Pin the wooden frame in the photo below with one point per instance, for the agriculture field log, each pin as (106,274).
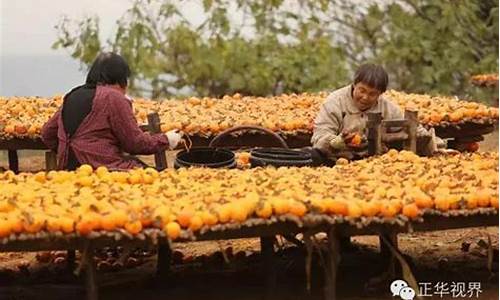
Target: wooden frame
(334,226)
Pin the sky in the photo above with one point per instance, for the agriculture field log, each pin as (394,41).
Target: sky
(27,26)
(28,65)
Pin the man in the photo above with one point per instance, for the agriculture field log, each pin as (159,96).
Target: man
(96,124)
(340,127)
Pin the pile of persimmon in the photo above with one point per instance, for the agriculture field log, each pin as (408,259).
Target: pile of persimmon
(441,110)
(485,80)
(24,117)
(287,114)
(395,185)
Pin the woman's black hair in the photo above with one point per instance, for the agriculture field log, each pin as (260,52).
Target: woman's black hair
(372,75)
(108,68)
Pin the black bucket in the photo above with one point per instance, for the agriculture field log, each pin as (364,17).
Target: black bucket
(205,157)
(279,157)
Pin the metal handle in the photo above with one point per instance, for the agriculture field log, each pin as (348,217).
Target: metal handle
(220,136)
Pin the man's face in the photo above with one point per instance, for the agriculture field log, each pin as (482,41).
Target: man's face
(365,96)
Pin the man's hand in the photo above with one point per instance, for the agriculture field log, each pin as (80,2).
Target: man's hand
(354,141)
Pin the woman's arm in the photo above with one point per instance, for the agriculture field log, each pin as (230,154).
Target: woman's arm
(49,132)
(124,126)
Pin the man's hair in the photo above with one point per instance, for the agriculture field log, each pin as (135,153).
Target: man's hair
(372,75)
(109,68)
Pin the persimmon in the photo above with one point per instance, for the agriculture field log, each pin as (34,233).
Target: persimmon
(4,228)
(195,223)
(483,197)
(280,206)
(338,207)
(442,204)
(119,218)
(494,201)
(298,209)
(388,209)
(52,224)
(238,213)
(15,223)
(472,147)
(173,230)
(411,211)
(356,140)
(370,208)
(34,223)
(66,224)
(33,129)
(354,210)
(85,181)
(209,218)
(133,227)
(422,200)
(10,129)
(184,217)
(134,178)
(20,129)
(108,222)
(264,210)
(85,169)
(224,213)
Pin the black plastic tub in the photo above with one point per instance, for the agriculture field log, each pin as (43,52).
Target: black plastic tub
(205,157)
(279,157)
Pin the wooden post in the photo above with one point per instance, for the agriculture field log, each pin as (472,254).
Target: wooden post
(13,161)
(164,251)
(50,160)
(51,164)
(412,118)
(332,264)
(154,127)
(70,260)
(374,125)
(90,273)
(386,253)
(267,252)
(164,261)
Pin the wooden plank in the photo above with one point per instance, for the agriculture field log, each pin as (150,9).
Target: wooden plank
(429,223)
(22,144)
(299,140)
(394,123)
(463,130)
(412,118)
(374,125)
(154,127)
(394,137)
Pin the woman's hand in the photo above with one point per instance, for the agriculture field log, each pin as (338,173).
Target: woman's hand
(174,137)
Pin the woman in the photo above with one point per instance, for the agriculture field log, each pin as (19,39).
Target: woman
(344,115)
(96,124)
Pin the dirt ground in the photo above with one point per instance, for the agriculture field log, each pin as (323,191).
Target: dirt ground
(233,269)
(201,271)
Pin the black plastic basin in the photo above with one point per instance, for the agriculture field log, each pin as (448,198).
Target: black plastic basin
(205,157)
